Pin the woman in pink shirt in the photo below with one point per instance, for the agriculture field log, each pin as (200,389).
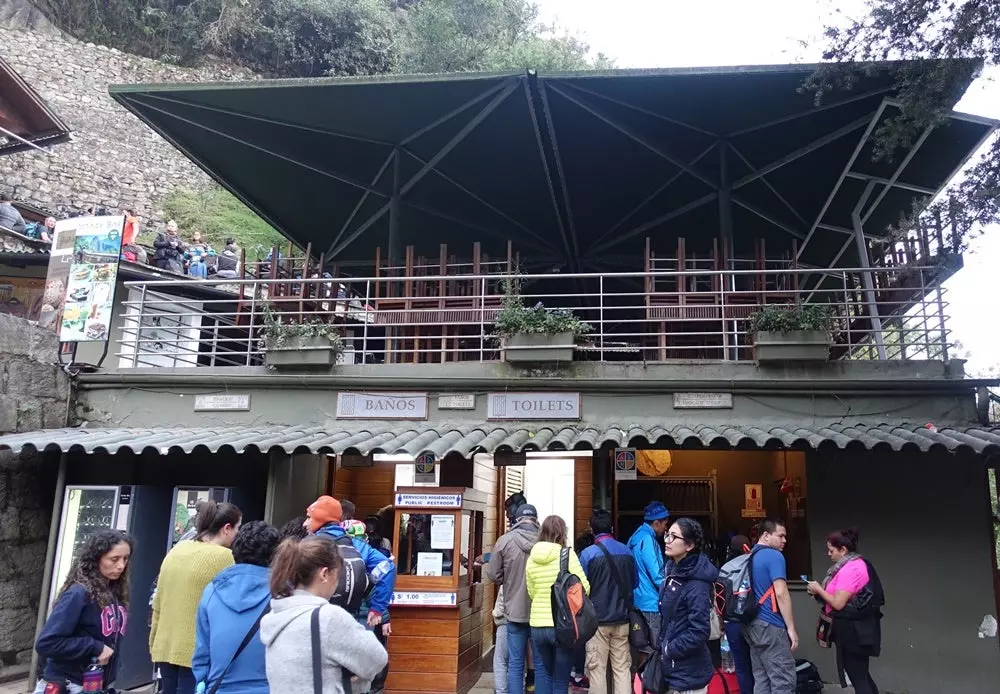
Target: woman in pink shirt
(852,593)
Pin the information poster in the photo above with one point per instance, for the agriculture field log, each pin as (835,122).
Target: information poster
(442,532)
(430,563)
(92,276)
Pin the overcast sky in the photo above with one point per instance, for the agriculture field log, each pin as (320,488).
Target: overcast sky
(665,33)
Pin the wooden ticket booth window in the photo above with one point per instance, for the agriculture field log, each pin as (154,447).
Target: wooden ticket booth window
(437,621)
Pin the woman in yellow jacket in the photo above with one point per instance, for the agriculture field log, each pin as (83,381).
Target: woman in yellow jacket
(552,662)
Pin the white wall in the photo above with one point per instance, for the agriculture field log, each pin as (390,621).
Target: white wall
(548,486)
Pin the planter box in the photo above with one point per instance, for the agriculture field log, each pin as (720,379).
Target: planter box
(796,345)
(538,347)
(302,353)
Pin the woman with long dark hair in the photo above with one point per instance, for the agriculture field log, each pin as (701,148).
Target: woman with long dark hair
(685,609)
(851,594)
(304,576)
(89,615)
(185,572)
(553,662)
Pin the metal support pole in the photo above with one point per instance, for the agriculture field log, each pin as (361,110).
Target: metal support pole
(48,568)
(394,210)
(866,275)
(727,281)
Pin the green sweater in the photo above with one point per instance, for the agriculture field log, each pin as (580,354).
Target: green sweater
(186,570)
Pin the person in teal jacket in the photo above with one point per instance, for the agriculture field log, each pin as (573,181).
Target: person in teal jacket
(646,545)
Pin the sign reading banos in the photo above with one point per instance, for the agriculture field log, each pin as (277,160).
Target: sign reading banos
(382,405)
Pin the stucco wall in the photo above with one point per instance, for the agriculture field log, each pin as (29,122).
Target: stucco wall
(33,394)
(113,161)
(924,524)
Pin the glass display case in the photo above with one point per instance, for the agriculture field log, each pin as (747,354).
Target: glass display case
(85,510)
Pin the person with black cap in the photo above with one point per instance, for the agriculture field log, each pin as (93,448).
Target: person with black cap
(646,545)
(506,569)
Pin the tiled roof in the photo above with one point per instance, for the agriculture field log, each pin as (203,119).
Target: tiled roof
(467,438)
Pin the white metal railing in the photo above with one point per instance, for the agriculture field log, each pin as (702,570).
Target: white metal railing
(635,316)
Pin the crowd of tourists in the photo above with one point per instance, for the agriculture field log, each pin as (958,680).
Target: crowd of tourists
(252,609)
(658,611)
(236,608)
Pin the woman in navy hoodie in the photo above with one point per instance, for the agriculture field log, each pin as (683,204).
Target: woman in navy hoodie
(685,602)
(89,615)
(231,608)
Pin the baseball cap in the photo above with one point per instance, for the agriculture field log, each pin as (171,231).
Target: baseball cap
(526,511)
(656,511)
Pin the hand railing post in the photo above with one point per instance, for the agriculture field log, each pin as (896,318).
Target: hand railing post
(600,319)
(364,315)
(253,320)
(138,329)
(482,319)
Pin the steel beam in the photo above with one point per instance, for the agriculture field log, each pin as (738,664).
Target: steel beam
(769,219)
(813,111)
(640,109)
(361,201)
(610,232)
(554,144)
(897,184)
(763,179)
(395,210)
(801,152)
(653,223)
(897,173)
(866,276)
(725,195)
(849,232)
(843,174)
(451,114)
(536,126)
(470,224)
(635,137)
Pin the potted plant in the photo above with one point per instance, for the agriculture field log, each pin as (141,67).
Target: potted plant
(536,333)
(791,333)
(306,344)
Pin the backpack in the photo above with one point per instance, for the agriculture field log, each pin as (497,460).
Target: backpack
(33,230)
(807,679)
(573,614)
(354,583)
(734,596)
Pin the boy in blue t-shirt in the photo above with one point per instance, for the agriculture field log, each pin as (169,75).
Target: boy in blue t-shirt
(772,636)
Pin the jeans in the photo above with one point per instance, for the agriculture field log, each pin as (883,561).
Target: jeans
(552,662)
(198,270)
(610,642)
(517,643)
(771,658)
(856,667)
(741,656)
(500,658)
(175,679)
(70,688)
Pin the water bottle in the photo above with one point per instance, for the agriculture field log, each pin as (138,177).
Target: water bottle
(93,677)
(200,689)
(728,664)
(744,592)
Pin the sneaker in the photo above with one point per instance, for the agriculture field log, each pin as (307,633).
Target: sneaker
(579,682)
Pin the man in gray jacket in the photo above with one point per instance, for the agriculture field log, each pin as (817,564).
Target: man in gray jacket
(10,218)
(506,569)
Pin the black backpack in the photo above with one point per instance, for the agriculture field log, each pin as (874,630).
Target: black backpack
(734,597)
(355,583)
(807,679)
(573,614)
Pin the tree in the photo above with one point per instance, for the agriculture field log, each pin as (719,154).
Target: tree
(967,32)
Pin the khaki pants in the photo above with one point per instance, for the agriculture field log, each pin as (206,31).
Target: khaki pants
(610,642)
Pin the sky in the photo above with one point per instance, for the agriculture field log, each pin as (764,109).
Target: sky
(669,33)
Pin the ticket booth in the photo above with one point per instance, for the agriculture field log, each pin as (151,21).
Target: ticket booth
(437,621)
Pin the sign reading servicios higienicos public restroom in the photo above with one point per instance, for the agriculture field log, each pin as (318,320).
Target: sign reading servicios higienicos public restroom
(381,405)
(533,406)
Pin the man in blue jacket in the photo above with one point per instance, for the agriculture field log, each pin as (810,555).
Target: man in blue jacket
(610,568)
(230,608)
(646,545)
(324,517)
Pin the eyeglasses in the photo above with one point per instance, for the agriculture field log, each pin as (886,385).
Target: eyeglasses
(671,537)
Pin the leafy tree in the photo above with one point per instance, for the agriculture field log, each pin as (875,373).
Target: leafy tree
(967,31)
(217,214)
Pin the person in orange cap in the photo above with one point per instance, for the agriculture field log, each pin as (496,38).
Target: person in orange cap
(323,517)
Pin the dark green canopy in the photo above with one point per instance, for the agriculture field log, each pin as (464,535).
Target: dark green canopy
(576,169)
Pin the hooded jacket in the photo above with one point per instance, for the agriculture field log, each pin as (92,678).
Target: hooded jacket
(229,607)
(612,579)
(381,569)
(541,573)
(77,631)
(506,568)
(685,602)
(648,553)
(287,637)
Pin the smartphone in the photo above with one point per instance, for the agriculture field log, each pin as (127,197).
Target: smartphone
(804,578)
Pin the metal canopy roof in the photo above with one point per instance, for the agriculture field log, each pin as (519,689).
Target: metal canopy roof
(24,115)
(465,439)
(575,168)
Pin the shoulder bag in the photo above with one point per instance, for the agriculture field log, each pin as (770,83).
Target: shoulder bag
(243,644)
(638,628)
(317,658)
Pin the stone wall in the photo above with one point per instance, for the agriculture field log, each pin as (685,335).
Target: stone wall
(114,161)
(33,393)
